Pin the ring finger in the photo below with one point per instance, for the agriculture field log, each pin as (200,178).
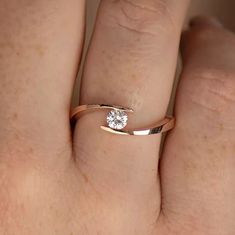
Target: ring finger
(131,62)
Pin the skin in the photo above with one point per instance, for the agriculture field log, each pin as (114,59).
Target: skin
(91,182)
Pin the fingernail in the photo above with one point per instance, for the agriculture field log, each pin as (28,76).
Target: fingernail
(205,21)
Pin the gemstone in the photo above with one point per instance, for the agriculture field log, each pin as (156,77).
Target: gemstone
(117,119)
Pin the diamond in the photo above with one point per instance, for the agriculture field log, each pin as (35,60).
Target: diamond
(117,119)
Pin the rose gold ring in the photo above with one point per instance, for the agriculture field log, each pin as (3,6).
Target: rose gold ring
(117,119)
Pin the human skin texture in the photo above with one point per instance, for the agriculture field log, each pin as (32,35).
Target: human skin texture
(55,180)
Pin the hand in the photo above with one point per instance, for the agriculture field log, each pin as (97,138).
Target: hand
(95,182)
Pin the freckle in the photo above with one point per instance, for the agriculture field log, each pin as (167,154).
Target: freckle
(221,126)
(133,76)
(22,206)
(84,177)
(15,116)
(18,53)
(34,21)
(10,45)
(110,57)
(106,71)
(224,147)
(40,50)
(205,137)
(210,151)
(16,136)
(30,150)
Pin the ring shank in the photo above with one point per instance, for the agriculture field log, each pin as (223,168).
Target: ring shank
(82,109)
(162,126)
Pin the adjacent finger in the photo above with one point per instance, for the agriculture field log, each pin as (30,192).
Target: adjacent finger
(197,170)
(40,45)
(131,62)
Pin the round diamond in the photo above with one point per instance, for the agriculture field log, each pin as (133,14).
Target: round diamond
(117,119)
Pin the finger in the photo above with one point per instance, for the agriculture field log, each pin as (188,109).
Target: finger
(198,171)
(131,62)
(40,48)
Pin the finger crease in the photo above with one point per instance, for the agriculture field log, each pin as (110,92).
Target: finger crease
(144,7)
(134,30)
(223,96)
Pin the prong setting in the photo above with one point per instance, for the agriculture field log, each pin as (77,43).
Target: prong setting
(117,119)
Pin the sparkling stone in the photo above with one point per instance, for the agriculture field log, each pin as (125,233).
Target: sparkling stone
(117,119)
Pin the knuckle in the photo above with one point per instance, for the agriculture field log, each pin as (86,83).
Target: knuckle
(213,89)
(144,17)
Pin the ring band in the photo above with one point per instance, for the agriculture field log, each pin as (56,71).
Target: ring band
(117,120)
